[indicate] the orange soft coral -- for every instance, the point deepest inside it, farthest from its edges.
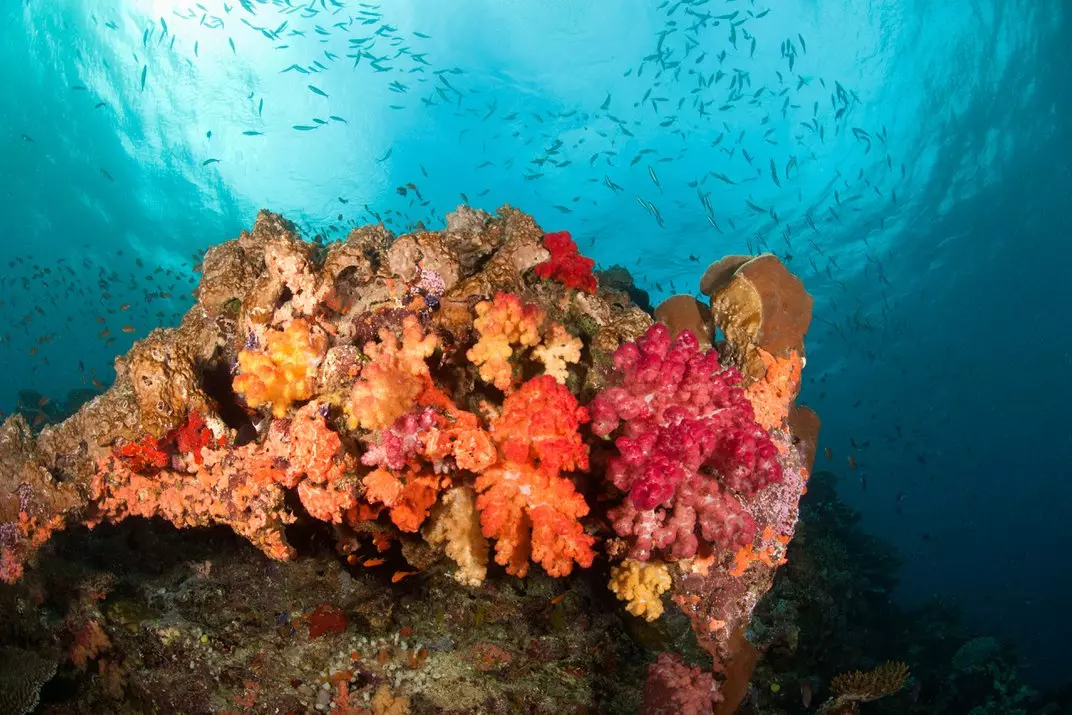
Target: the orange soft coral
(305, 453)
(773, 394)
(407, 495)
(394, 378)
(458, 434)
(533, 515)
(503, 323)
(539, 424)
(285, 371)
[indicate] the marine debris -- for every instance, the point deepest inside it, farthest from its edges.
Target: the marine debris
(466, 395)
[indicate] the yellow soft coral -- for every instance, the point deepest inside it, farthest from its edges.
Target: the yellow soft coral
(394, 378)
(773, 394)
(456, 524)
(642, 585)
(285, 371)
(559, 349)
(503, 323)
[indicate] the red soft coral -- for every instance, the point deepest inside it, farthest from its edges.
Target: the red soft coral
(144, 457)
(193, 436)
(567, 265)
(689, 447)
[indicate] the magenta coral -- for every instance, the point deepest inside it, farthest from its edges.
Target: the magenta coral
(401, 442)
(567, 265)
(674, 688)
(688, 449)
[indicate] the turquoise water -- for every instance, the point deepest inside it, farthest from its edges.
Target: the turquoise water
(910, 161)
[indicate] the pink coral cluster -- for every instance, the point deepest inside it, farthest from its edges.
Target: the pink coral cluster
(674, 688)
(689, 447)
(567, 265)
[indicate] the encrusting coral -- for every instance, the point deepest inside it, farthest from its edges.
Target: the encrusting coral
(476, 390)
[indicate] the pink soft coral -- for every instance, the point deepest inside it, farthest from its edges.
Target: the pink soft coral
(674, 688)
(567, 265)
(689, 447)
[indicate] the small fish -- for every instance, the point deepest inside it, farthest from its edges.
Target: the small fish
(125, 306)
(231, 43)
(206, 162)
(337, 119)
(386, 156)
(829, 454)
(558, 599)
(43, 401)
(399, 575)
(852, 462)
(774, 174)
(252, 133)
(654, 178)
(106, 175)
(316, 90)
(373, 562)
(128, 328)
(606, 103)
(144, 74)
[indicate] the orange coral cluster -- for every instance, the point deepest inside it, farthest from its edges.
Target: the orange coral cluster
(524, 503)
(394, 378)
(773, 394)
(285, 371)
(508, 327)
(409, 495)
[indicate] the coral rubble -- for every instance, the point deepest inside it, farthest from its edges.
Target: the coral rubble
(471, 393)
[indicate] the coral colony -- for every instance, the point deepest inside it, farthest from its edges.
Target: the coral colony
(474, 388)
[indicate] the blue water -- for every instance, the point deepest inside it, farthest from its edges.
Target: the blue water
(936, 243)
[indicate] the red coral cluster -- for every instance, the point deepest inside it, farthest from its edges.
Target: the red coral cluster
(689, 447)
(567, 265)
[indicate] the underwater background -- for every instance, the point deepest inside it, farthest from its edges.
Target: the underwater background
(909, 160)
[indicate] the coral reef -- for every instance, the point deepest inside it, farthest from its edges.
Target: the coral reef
(445, 397)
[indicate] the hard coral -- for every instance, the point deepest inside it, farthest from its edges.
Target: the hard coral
(689, 447)
(285, 371)
(566, 265)
(393, 379)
